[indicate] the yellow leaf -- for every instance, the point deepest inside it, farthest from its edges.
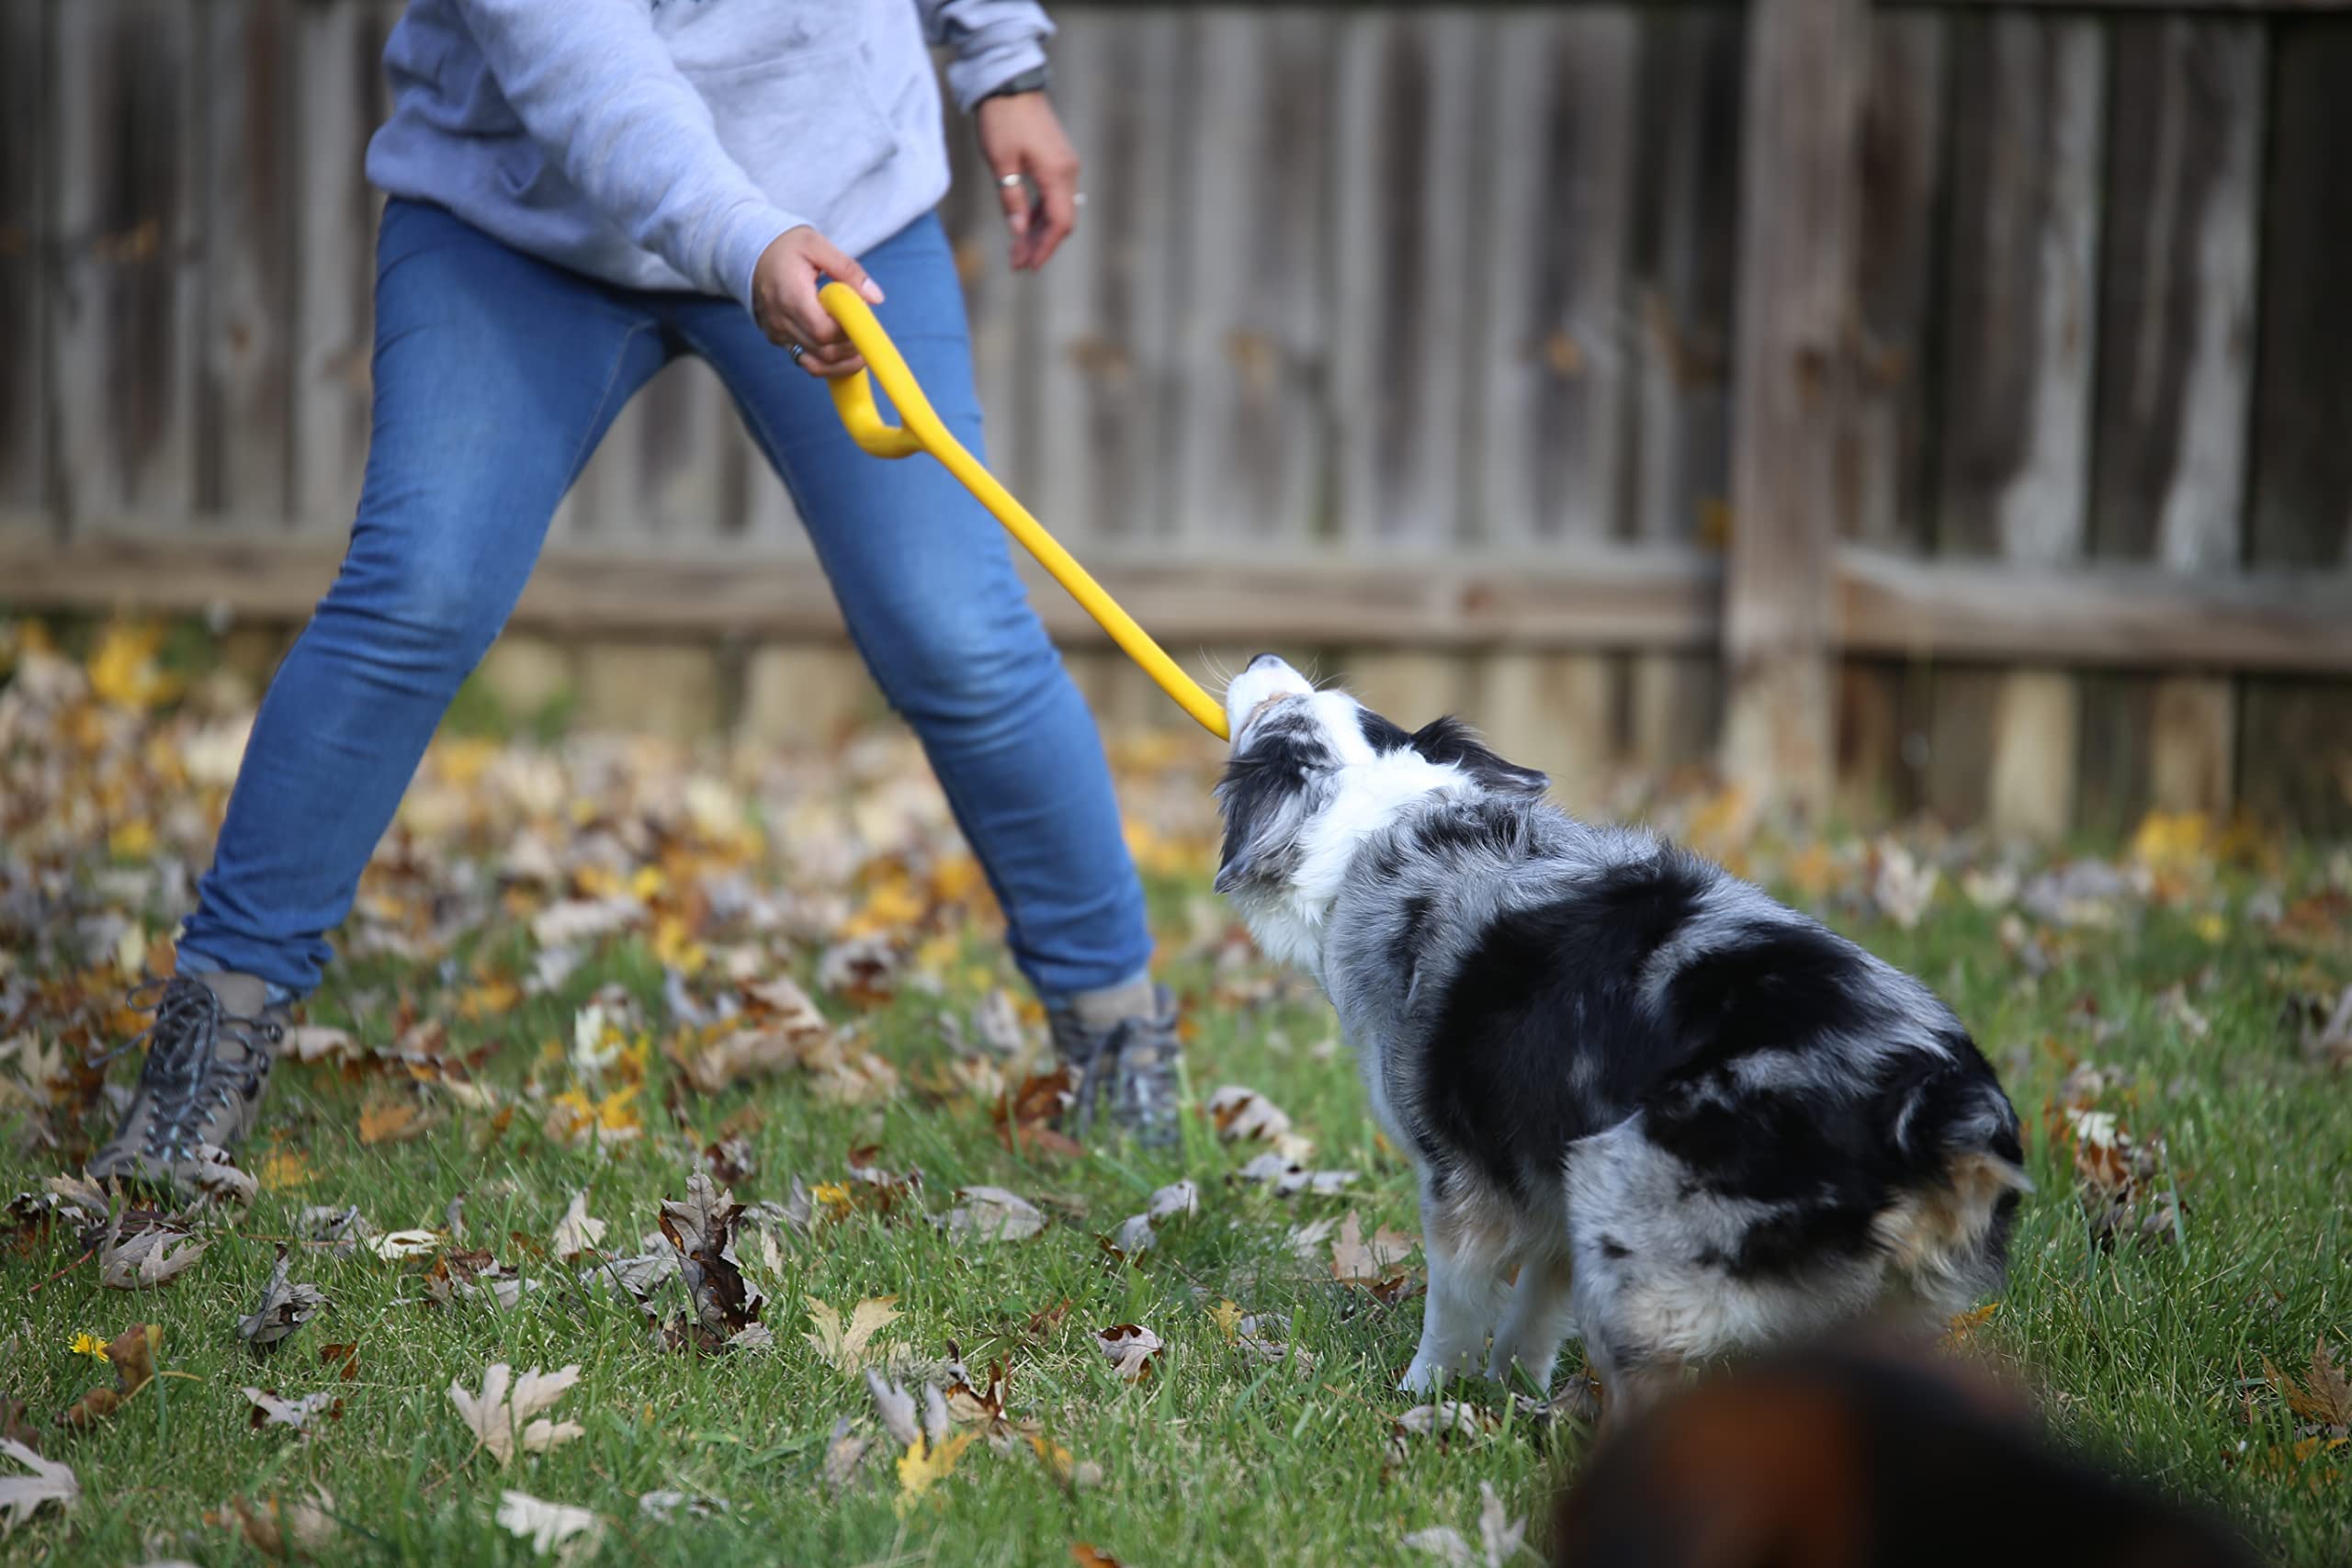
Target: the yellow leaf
(284, 1170)
(393, 1120)
(123, 670)
(649, 883)
(2174, 841)
(135, 840)
(2212, 927)
(836, 1199)
(1962, 1325)
(922, 1465)
(1227, 1315)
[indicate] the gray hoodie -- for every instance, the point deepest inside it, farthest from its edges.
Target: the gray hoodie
(664, 143)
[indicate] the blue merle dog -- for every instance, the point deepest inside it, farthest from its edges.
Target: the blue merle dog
(1691, 1119)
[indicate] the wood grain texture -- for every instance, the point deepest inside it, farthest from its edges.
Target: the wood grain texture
(1105, 368)
(340, 98)
(124, 320)
(1250, 440)
(2175, 339)
(249, 145)
(1405, 112)
(25, 118)
(1553, 712)
(1803, 93)
(1551, 385)
(1678, 332)
(1902, 188)
(1001, 308)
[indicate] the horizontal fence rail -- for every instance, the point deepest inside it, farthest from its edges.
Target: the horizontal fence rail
(1941, 406)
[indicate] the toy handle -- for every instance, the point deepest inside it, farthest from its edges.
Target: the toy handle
(921, 430)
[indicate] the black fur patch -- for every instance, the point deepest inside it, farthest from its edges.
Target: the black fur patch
(1547, 990)
(1448, 740)
(1380, 734)
(1275, 769)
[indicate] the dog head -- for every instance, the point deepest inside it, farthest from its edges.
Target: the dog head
(1311, 775)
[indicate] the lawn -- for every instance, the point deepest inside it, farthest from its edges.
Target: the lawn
(560, 987)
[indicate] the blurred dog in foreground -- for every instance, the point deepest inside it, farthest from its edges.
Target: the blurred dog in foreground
(1828, 1458)
(1693, 1120)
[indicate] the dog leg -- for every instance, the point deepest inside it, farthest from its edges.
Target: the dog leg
(1537, 1317)
(1455, 1317)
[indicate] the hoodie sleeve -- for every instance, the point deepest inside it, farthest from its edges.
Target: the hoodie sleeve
(591, 83)
(989, 42)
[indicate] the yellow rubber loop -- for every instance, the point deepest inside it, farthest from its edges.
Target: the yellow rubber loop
(920, 429)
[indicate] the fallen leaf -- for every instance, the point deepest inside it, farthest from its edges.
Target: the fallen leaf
(1078, 1475)
(345, 1358)
(726, 1307)
(22, 1496)
(500, 1416)
(284, 1307)
(1287, 1178)
(154, 1252)
(341, 1231)
(559, 1528)
(846, 1349)
(316, 1043)
(217, 1180)
(1087, 1556)
(665, 1506)
(2323, 1398)
(1130, 1347)
(992, 1214)
(1355, 1261)
(576, 1233)
(1243, 1115)
(844, 1451)
(922, 1465)
(269, 1410)
(1500, 1538)
(303, 1528)
(397, 1245)
(896, 1406)
(392, 1122)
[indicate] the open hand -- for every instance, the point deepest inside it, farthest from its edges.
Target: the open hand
(784, 299)
(1019, 134)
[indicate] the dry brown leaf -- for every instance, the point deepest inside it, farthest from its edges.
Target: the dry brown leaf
(392, 1122)
(1089, 1556)
(1130, 1347)
(2323, 1398)
(844, 1452)
(847, 1347)
(501, 1416)
(141, 1254)
(284, 1307)
(284, 1531)
(1355, 1261)
(726, 1305)
(345, 1358)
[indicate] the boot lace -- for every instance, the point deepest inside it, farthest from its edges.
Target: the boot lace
(184, 1076)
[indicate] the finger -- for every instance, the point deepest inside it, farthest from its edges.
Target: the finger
(1057, 204)
(1012, 193)
(807, 322)
(840, 268)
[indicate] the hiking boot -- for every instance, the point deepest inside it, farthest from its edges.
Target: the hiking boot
(1130, 1066)
(208, 1058)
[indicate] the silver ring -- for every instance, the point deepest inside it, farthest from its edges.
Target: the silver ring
(796, 350)
(1007, 181)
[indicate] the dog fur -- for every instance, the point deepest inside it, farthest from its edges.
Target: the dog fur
(1690, 1119)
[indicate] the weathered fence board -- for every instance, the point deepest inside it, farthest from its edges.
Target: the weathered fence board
(124, 325)
(24, 236)
(1249, 423)
(1405, 172)
(250, 243)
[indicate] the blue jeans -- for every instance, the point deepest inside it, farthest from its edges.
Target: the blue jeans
(495, 376)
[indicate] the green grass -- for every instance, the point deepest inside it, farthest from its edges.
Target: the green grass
(2138, 1350)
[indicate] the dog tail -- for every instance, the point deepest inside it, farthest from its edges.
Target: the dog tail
(1947, 1233)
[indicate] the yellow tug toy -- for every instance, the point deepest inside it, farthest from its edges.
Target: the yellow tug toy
(920, 431)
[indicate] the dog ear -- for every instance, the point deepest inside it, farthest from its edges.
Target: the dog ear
(1448, 739)
(1263, 801)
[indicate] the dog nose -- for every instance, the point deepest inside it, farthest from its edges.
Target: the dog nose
(1264, 659)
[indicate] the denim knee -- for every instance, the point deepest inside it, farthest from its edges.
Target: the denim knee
(418, 609)
(965, 673)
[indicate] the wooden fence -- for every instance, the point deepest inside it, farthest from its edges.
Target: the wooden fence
(1947, 407)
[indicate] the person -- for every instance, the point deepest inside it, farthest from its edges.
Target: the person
(579, 191)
